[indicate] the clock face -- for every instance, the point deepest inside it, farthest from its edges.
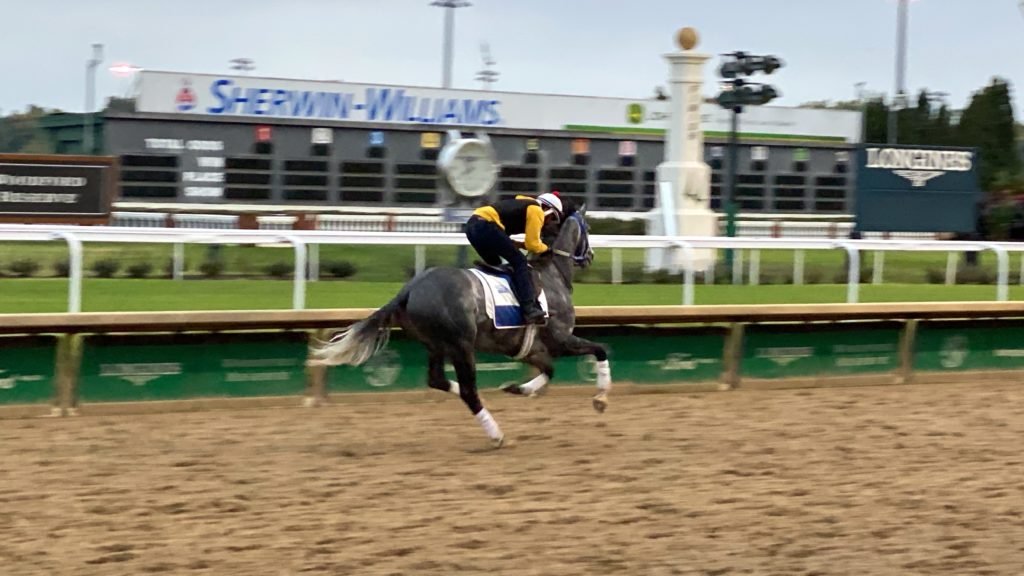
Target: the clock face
(471, 169)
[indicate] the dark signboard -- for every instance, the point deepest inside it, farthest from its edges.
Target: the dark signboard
(916, 189)
(55, 185)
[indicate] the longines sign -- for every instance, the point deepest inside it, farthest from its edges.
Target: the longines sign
(916, 189)
(919, 166)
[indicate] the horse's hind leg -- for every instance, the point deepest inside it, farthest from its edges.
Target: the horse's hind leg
(539, 358)
(435, 374)
(465, 370)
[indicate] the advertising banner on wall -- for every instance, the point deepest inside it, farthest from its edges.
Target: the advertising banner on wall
(273, 98)
(55, 185)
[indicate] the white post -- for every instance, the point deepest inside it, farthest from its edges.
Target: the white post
(737, 267)
(755, 267)
(1022, 254)
(178, 265)
(688, 268)
(951, 268)
(798, 267)
(879, 266)
(421, 258)
(74, 270)
(852, 273)
(314, 262)
(683, 205)
(616, 265)
(299, 283)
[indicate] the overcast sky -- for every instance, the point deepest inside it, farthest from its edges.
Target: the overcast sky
(589, 47)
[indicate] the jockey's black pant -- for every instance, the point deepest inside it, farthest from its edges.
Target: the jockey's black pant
(492, 244)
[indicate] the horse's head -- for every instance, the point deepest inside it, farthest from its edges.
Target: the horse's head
(572, 237)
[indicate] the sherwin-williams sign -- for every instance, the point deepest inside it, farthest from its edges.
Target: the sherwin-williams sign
(275, 98)
(917, 189)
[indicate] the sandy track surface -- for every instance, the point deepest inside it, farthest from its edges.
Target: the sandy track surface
(886, 480)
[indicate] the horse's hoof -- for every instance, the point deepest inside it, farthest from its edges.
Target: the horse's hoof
(600, 403)
(539, 392)
(498, 442)
(511, 388)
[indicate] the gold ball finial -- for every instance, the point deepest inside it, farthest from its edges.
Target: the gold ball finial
(687, 38)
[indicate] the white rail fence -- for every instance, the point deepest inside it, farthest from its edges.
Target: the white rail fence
(305, 245)
(781, 226)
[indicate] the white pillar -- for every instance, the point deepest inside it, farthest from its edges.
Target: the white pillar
(683, 203)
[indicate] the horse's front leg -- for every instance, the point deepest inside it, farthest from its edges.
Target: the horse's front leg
(575, 346)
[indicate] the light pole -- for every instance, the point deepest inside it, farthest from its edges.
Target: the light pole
(243, 65)
(90, 96)
(863, 111)
(901, 68)
(125, 71)
(487, 76)
(449, 32)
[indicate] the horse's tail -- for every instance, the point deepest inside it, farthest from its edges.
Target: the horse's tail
(359, 342)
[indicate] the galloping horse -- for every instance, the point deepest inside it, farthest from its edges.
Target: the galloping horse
(450, 312)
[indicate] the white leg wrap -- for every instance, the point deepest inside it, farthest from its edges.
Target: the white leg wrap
(489, 424)
(453, 387)
(604, 376)
(535, 384)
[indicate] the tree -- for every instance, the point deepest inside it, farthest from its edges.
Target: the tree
(877, 121)
(115, 104)
(988, 124)
(19, 129)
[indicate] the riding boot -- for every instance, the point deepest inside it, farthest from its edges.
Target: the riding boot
(523, 287)
(532, 312)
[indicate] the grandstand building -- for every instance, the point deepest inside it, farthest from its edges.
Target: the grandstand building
(330, 146)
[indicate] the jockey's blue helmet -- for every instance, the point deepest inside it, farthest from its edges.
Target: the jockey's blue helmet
(551, 203)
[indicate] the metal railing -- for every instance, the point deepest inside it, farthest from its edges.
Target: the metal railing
(304, 244)
(761, 226)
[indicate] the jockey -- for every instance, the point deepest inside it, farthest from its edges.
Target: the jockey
(489, 230)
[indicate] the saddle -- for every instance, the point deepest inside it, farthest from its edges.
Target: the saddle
(506, 270)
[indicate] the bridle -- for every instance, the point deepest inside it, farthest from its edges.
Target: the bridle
(580, 255)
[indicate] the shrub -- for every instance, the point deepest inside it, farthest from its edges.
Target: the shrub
(140, 269)
(62, 268)
(813, 276)
(616, 226)
(975, 275)
(935, 276)
(105, 268)
(24, 268)
(664, 277)
(965, 275)
(341, 269)
(866, 273)
(212, 268)
(279, 269)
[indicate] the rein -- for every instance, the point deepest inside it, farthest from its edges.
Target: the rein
(566, 277)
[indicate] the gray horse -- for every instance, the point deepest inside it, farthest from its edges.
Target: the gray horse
(445, 309)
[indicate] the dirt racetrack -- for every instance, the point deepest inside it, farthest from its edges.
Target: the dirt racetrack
(901, 480)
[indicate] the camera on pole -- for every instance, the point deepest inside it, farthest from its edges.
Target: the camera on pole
(736, 94)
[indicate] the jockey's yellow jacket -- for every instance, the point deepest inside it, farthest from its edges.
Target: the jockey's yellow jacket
(521, 215)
